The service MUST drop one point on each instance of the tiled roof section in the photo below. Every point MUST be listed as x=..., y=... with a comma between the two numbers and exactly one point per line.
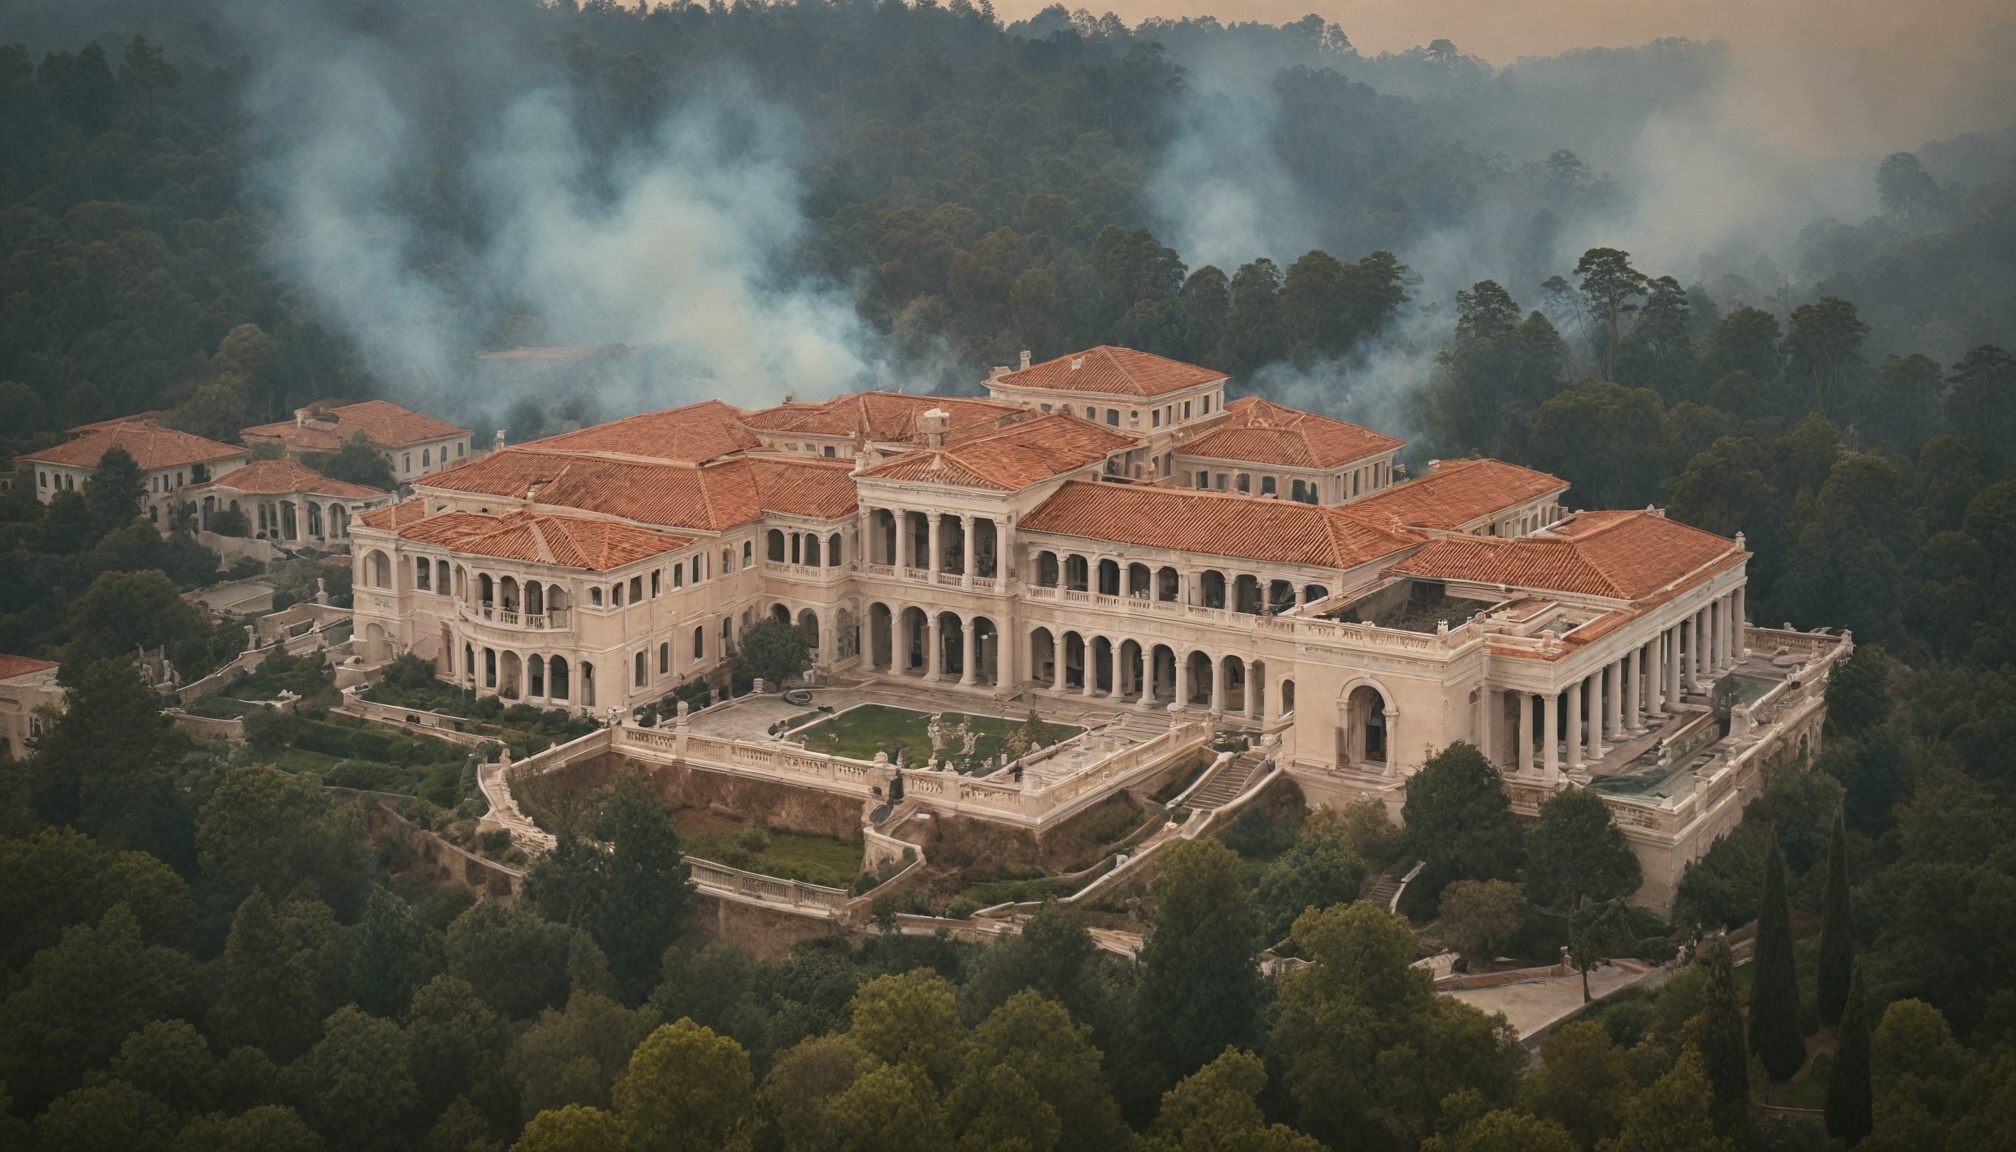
x=283, y=477
x=150, y=445
x=397, y=516
x=695, y=433
x=1457, y=493
x=885, y=417
x=1217, y=524
x=12, y=666
x=1008, y=459
x=670, y=493
x=1111, y=371
x=1266, y=433
x=152, y=417
x=569, y=541
x=386, y=424
x=1621, y=555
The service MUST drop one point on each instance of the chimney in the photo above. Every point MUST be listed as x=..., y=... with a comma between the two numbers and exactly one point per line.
x=497, y=444
x=1076, y=361
x=1025, y=359
x=996, y=372
x=300, y=417
x=932, y=427
x=790, y=399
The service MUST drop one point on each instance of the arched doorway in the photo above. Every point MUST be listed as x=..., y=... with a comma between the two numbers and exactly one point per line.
x=1200, y=679
x=1365, y=730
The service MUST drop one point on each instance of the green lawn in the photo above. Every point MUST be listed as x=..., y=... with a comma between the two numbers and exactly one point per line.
x=302, y=760
x=824, y=860
x=859, y=733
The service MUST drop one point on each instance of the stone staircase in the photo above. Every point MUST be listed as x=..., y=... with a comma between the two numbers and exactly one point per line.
x=1226, y=786
x=1380, y=889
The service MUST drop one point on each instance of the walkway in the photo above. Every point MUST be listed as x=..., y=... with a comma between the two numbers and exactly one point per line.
x=1535, y=1007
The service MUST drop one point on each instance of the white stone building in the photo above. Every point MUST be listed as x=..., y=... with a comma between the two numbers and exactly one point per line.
x=1055, y=540
x=413, y=443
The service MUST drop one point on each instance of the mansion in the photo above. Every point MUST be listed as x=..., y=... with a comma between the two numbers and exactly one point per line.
x=1109, y=526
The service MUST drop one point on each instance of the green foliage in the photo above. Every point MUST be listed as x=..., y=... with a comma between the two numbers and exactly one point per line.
x=1199, y=987
x=268, y=1000
x=58, y=877
x=1459, y=822
x=687, y=1090
x=1583, y=1083
x=1367, y=1052
x=1575, y=853
x=1217, y=1107
x=1672, y=1115
x=357, y=1080
x=384, y=948
x=646, y=897
x=1775, y=1036
x=573, y=1128
x=115, y=490
x=514, y=960
x=1717, y=1033
x=1850, y=1109
x=1479, y=917
x=1316, y=873
x=1504, y=1131
x=1837, y=929
x=773, y=652
x=124, y=611
x=575, y=1056
x=262, y=826
x=106, y=765
x=359, y=461
x=910, y=1019
x=106, y=1117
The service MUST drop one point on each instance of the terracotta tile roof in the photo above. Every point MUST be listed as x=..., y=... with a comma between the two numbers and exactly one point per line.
x=1457, y=493
x=569, y=541
x=150, y=445
x=885, y=417
x=12, y=666
x=282, y=477
x=1111, y=371
x=396, y=516
x=1621, y=555
x=1008, y=459
x=695, y=433
x=384, y=423
x=152, y=417
x=1266, y=433
x=1220, y=524
x=665, y=492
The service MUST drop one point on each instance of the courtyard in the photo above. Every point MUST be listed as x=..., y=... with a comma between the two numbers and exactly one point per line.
x=967, y=742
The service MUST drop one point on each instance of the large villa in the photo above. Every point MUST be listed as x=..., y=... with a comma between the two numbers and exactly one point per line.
x=1108, y=531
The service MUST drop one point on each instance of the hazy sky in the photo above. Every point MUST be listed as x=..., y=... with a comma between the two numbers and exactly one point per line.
x=1834, y=76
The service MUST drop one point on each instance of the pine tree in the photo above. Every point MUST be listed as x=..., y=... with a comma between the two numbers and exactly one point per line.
x=1849, y=1098
x=1837, y=943
x=269, y=988
x=1774, y=997
x=1718, y=1033
x=382, y=950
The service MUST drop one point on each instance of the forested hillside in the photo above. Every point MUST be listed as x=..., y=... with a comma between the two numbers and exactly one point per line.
x=220, y=211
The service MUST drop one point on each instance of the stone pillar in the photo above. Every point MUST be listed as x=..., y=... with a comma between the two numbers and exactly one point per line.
x=1597, y=746
x=1392, y=740
x=1253, y=689
x=1578, y=694
x=1031, y=647
x=1091, y=678
x=1182, y=681
x=1057, y=662
x=1739, y=598
x=937, y=543
x=969, y=667
x=1634, y=689
x=1672, y=674
x=1522, y=729
x=1700, y=652
x=1218, y=686
x=966, y=569
x=1550, y=736
x=934, y=648
x=1731, y=632
x=1613, y=700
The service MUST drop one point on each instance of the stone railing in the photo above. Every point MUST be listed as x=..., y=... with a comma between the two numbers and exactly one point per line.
x=795, y=896
x=1285, y=625
x=512, y=618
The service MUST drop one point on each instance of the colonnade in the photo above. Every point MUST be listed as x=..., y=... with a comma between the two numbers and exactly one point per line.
x=1249, y=592
x=911, y=640
x=933, y=545
x=1150, y=675
x=1616, y=702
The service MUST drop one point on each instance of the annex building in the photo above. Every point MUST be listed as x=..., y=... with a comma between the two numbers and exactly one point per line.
x=1109, y=526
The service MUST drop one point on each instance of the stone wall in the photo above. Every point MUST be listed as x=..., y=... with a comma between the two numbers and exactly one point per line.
x=765, y=933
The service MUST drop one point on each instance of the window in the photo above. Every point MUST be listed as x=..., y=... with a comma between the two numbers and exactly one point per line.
x=1134, y=418
x=1218, y=482
x=1267, y=486
x=1245, y=482
x=426, y=457
x=1113, y=417
x=1204, y=480
x=699, y=642
x=595, y=596
x=406, y=462
x=679, y=574
x=636, y=589
x=1155, y=418
x=664, y=659
x=639, y=669
x=1207, y=405
x=616, y=595
x=459, y=447
x=178, y=479
x=657, y=580
x=423, y=574
x=1046, y=408
x=828, y=451
x=1186, y=409
x=44, y=477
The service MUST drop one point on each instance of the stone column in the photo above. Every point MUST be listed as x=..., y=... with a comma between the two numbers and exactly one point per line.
x=1392, y=740
x=1522, y=727
x=1596, y=743
x=1613, y=700
x=1578, y=695
x=937, y=543
x=969, y=667
x=1217, y=686
x=1091, y=678
x=1730, y=631
x=1182, y=680
x=1550, y=736
x=1739, y=598
x=1701, y=648
x=966, y=569
x=1030, y=645
x=1672, y=673
x=1253, y=689
x=1057, y=662
x=934, y=648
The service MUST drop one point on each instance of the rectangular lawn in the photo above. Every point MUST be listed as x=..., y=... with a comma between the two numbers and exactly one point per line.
x=859, y=733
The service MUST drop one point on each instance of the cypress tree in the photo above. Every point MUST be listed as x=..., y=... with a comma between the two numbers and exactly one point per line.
x=1718, y=1033
x=1774, y=996
x=269, y=988
x=1849, y=1104
x=1837, y=944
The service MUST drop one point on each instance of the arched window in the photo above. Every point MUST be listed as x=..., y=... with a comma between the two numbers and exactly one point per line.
x=833, y=550
x=588, y=684
x=556, y=671
x=776, y=546
x=381, y=570
x=595, y=596
x=639, y=670
x=664, y=659
x=535, y=676
x=423, y=574
x=699, y=642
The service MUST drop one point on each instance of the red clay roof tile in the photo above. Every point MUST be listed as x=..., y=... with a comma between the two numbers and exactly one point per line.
x=1457, y=493
x=282, y=477
x=1220, y=524
x=1111, y=371
x=1008, y=459
x=382, y=422
x=1620, y=555
x=1265, y=433
x=150, y=445
x=569, y=541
